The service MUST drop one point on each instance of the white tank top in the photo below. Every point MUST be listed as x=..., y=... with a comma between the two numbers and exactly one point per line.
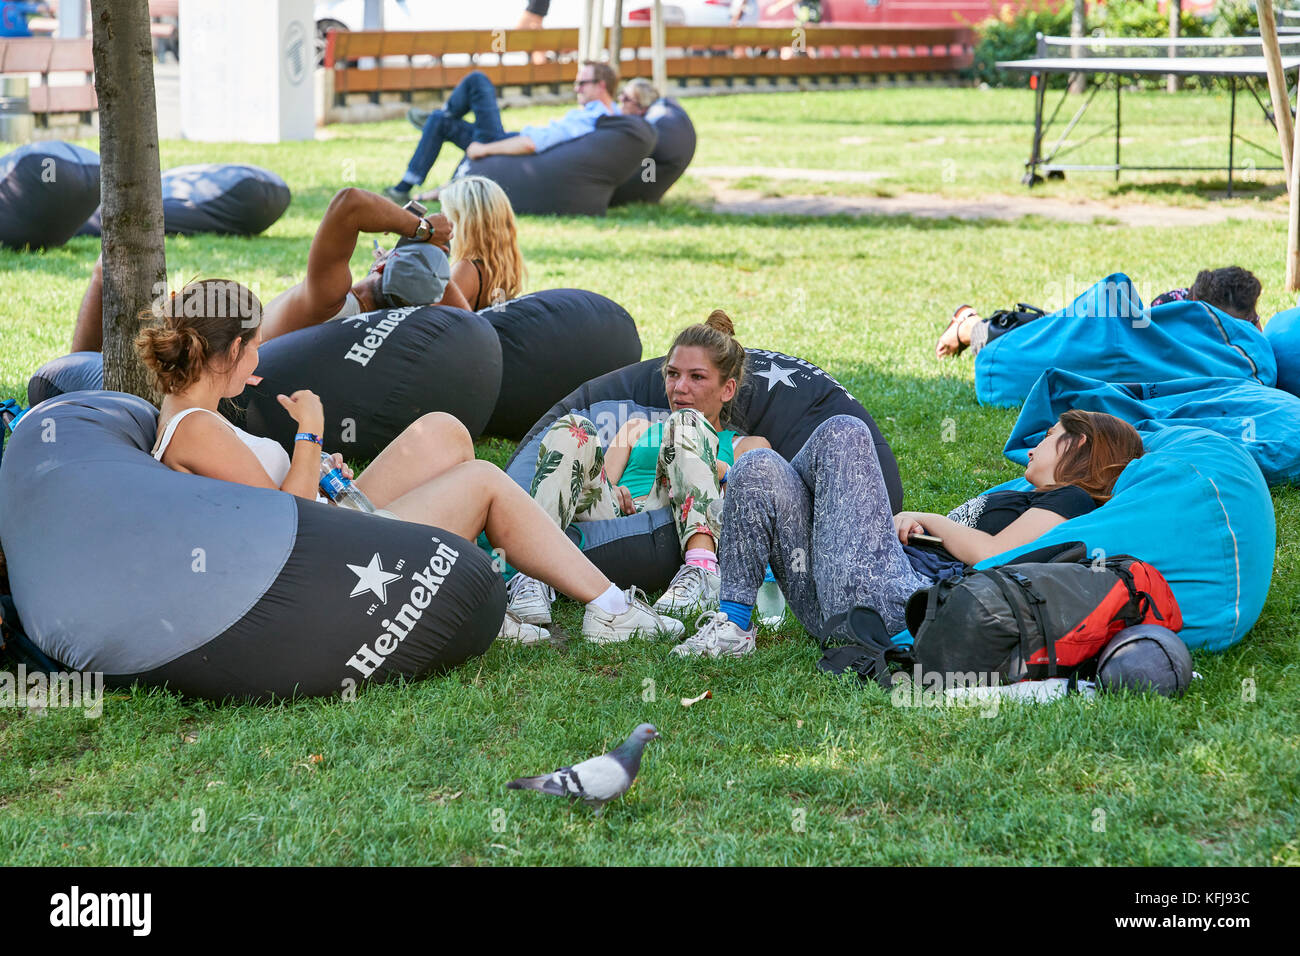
x=272, y=457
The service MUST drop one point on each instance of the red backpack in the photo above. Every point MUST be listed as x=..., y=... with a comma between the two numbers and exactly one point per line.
x=1029, y=621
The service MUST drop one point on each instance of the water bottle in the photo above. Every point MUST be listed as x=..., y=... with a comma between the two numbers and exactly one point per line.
x=339, y=488
x=769, y=606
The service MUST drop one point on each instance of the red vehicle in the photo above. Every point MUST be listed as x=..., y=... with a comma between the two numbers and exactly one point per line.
x=877, y=12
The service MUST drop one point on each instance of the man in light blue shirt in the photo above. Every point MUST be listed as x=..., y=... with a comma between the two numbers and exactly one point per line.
x=485, y=136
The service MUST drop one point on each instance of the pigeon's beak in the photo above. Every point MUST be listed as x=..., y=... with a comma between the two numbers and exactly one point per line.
x=654, y=734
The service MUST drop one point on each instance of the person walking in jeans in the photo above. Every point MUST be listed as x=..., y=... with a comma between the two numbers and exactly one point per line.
x=485, y=136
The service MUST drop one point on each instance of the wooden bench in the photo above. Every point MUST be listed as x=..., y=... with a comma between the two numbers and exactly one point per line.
x=45, y=55
x=736, y=53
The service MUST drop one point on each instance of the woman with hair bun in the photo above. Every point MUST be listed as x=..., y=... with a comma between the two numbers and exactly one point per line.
x=204, y=348
x=680, y=463
x=486, y=264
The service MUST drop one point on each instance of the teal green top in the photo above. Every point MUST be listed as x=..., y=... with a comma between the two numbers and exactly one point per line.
x=642, y=464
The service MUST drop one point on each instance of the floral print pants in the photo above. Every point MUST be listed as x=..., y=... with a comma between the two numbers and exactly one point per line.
x=570, y=482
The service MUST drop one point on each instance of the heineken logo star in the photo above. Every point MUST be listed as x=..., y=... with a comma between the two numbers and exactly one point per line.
x=373, y=578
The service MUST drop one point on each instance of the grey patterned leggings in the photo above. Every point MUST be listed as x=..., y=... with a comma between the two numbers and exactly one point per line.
x=822, y=521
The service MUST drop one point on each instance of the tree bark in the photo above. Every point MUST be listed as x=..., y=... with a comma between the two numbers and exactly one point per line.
x=1277, y=88
x=135, y=265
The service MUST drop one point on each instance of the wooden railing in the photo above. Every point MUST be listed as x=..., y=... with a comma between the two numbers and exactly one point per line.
x=45, y=55
x=711, y=53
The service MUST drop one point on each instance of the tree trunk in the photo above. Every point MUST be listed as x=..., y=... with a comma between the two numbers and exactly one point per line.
x=1078, y=27
x=135, y=265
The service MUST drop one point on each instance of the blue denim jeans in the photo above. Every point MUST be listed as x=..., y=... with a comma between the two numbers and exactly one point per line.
x=475, y=94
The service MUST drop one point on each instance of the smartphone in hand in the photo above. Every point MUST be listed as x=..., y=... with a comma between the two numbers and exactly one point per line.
x=924, y=539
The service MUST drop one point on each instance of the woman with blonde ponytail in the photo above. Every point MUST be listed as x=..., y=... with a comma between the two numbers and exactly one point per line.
x=486, y=264
x=203, y=348
x=680, y=463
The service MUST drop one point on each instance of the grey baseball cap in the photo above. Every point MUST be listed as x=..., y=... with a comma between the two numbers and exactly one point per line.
x=415, y=273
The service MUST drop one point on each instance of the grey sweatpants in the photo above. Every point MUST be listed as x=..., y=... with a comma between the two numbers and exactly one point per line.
x=823, y=523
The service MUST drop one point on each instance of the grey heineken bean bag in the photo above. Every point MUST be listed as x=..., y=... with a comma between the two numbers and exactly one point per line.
x=673, y=152
x=227, y=198
x=551, y=342
x=783, y=399
x=375, y=373
x=576, y=178
x=46, y=192
x=218, y=590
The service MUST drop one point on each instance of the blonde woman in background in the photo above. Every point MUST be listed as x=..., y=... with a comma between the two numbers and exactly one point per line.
x=486, y=264
x=636, y=97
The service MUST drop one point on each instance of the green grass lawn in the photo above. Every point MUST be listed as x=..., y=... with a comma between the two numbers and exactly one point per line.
x=782, y=765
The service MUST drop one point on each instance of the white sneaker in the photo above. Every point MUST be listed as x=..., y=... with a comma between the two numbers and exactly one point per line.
x=639, y=620
x=515, y=631
x=529, y=599
x=692, y=589
x=718, y=637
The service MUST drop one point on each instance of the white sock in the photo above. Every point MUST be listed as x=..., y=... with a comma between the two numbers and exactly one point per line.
x=613, y=601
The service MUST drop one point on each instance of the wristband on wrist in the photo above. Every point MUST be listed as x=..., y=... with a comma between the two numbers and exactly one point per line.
x=308, y=436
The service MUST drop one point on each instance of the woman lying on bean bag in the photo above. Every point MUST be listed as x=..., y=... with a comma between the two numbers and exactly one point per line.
x=1233, y=290
x=427, y=474
x=680, y=463
x=486, y=264
x=823, y=523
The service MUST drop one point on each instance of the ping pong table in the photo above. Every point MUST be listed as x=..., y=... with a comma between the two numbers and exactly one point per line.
x=1239, y=70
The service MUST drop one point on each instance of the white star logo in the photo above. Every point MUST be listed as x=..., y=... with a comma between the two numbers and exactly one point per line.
x=776, y=375
x=361, y=319
x=373, y=578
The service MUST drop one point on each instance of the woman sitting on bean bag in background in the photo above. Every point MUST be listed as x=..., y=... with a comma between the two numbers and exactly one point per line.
x=680, y=463
x=205, y=348
x=823, y=523
x=486, y=263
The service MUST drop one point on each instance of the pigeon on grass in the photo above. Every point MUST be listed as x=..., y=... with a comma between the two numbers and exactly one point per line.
x=598, y=780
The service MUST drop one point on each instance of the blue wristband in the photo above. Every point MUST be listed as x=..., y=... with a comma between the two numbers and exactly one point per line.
x=308, y=436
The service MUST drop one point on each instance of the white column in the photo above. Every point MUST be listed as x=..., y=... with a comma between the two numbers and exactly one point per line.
x=659, y=74
x=247, y=70
x=72, y=18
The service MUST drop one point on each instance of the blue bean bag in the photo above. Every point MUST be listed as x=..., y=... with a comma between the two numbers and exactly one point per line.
x=46, y=192
x=1195, y=506
x=783, y=398
x=575, y=178
x=1283, y=333
x=219, y=590
x=1264, y=421
x=1108, y=334
x=673, y=152
x=231, y=199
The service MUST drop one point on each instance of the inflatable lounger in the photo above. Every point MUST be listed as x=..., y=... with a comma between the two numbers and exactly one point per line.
x=673, y=152
x=1263, y=421
x=575, y=178
x=225, y=198
x=1108, y=334
x=375, y=373
x=551, y=342
x=218, y=590
x=46, y=192
x=1283, y=334
x=783, y=398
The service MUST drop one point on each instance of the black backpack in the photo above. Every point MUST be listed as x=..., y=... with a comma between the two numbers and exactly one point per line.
x=1004, y=320
x=857, y=642
x=1034, y=620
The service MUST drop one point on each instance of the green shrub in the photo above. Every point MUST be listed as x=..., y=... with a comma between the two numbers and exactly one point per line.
x=1015, y=37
